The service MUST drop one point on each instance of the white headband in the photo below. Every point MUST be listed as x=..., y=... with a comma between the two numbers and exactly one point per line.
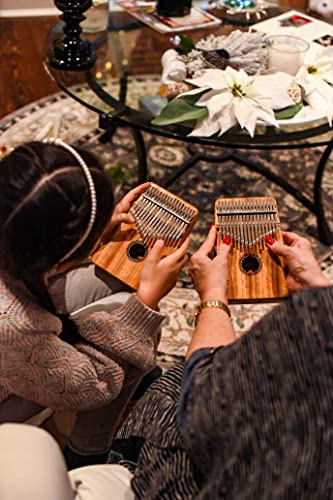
x=92, y=192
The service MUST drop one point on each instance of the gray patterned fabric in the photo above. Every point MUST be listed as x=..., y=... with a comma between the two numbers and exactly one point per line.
x=257, y=417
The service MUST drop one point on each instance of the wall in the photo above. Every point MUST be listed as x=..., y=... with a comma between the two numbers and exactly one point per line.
x=26, y=7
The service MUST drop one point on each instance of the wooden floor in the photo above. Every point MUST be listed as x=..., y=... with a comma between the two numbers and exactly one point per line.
x=23, y=78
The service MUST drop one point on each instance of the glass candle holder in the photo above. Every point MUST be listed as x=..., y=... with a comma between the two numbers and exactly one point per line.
x=286, y=53
x=97, y=17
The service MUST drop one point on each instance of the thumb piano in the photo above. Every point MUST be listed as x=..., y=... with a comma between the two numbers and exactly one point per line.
x=255, y=274
x=158, y=214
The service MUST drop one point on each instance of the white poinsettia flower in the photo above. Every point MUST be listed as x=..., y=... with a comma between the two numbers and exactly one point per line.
x=231, y=97
x=316, y=77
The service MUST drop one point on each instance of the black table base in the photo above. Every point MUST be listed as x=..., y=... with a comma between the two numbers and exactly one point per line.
x=315, y=205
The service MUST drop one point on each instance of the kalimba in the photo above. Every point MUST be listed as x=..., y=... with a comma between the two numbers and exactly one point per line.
x=158, y=214
x=255, y=274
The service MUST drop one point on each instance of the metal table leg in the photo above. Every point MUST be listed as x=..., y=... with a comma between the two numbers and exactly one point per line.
x=142, y=155
x=324, y=232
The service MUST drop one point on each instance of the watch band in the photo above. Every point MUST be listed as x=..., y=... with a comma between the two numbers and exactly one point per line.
x=211, y=303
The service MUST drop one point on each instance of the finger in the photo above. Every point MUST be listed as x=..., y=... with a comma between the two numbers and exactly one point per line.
x=154, y=254
x=289, y=237
x=223, y=249
x=126, y=218
x=277, y=247
x=224, y=246
x=182, y=262
x=209, y=242
x=180, y=252
x=134, y=193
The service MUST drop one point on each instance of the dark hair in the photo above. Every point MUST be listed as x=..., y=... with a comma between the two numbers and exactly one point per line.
x=44, y=210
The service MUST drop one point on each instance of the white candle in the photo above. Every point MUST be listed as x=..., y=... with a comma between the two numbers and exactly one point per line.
x=286, y=53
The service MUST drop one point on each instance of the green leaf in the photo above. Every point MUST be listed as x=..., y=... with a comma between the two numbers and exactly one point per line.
x=181, y=110
x=186, y=44
x=119, y=173
x=286, y=113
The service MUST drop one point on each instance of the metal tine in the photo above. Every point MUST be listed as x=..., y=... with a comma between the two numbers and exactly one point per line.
x=180, y=233
x=172, y=204
x=231, y=221
x=234, y=220
x=140, y=207
x=260, y=221
x=156, y=214
x=140, y=214
x=172, y=230
x=180, y=230
x=250, y=217
x=158, y=224
x=243, y=219
x=148, y=218
x=252, y=225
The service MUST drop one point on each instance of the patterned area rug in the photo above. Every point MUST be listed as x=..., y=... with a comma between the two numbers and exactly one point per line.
x=200, y=186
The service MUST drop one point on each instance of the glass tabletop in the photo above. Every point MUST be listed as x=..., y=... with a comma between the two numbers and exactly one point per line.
x=125, y=83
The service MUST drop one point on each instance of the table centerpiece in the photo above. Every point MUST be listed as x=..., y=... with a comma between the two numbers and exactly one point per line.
x=223, y=81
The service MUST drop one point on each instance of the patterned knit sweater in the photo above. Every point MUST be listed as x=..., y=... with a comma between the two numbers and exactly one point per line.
x=36, y=365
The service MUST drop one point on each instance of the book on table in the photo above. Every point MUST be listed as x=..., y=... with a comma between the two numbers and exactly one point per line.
x=146, y=13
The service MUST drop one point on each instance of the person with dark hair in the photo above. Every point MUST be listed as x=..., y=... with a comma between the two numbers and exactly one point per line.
x=56, y=206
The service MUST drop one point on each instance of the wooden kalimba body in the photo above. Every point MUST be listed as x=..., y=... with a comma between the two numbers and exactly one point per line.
x=158, y=214
x=255, y=274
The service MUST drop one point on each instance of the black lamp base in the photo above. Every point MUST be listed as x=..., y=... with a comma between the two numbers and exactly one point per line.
x=63, y=57
x=71, y=52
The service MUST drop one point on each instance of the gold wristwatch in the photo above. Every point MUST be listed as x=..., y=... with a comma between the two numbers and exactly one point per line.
x=211, y=303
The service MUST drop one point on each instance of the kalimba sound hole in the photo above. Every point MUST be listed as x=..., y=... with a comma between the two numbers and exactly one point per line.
x=250, y=264
x=137, y=251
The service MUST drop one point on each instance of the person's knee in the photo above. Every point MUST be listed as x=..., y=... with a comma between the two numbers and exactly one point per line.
x=31, y=465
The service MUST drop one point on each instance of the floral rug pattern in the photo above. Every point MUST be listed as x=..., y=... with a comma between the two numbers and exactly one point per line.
x=59, y=114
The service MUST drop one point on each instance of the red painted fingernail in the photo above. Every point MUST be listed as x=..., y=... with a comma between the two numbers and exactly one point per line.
x=227, y=239
x=3, y=149
x=269, y=240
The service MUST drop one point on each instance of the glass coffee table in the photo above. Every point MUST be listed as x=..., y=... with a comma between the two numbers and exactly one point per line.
x=123, y=88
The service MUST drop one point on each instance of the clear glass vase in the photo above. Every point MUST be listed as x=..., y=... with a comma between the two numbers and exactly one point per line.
x=97, y=17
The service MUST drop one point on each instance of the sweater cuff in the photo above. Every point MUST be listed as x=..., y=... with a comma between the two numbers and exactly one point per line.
x=134, y=313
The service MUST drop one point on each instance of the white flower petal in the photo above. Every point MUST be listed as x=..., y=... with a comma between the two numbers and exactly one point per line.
x=244, y=111
x=275, y=89
x=212, y=78
x=322, y=102
x=251, y=124
x=205, y=127
x=216, y=103
x=193, y=92
x=267, y=116
x=227, y=119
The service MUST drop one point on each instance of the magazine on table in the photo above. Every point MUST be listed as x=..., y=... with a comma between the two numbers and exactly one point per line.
x=294, y=23
x=146, y=12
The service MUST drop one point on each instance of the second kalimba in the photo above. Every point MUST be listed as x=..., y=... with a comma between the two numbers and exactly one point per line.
x=158, y=214
x=255, y=274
